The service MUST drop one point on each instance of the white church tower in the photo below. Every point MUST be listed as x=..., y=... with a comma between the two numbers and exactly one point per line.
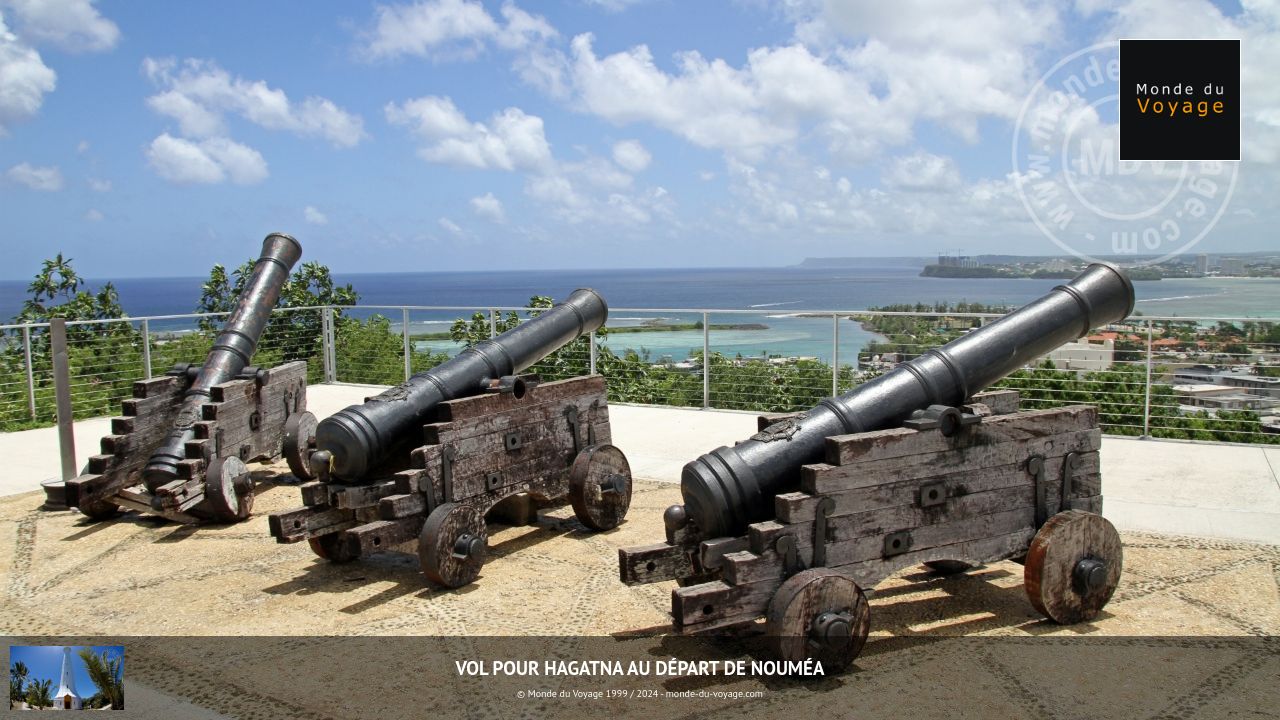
x=67, y=698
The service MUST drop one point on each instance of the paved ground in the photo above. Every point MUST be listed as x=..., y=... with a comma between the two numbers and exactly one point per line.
x=1192, y=625
x=223, y=622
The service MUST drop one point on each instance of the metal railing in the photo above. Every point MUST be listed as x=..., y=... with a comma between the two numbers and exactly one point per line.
x=1212, y=379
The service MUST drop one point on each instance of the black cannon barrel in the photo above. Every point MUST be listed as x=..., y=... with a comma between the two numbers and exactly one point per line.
x=361, y=436
x=730, y=488
x=231, y=351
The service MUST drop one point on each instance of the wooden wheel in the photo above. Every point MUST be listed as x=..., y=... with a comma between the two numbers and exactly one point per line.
x=228, y=489
x=331, y=548
x=299, y=441
x=819, y=614
x=452, y=545
x=600, y=487
x=947, y=567
x=1073, y=566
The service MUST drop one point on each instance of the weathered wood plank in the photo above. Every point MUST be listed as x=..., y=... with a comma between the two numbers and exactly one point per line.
x=381, y=535
x=1087, y=480
x=653, y=563
x=900, y=442
x=393, y=507
x=825, y=479
x=716, y=605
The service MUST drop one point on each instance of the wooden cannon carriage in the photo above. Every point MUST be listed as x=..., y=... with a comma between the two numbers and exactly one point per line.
x=245, y=420
x=951, y=490
x=501, y=454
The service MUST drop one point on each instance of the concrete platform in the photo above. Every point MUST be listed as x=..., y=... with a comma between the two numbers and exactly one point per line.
x=1201, y=489
x=224, y=622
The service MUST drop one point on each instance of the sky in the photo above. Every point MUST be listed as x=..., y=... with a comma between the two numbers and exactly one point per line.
x=44, y=662
x=155, y=139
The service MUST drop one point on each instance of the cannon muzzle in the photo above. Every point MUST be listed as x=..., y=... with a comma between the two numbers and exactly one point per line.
x=732, y=487
x=231, y=351
x=361, y=437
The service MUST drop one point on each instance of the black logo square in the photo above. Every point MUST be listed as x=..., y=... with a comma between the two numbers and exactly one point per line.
x=1179, y=99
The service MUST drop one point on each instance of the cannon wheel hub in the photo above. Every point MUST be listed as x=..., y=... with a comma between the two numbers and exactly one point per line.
x=452, y=545
x=228, y=488
x=819, y=614
x=600, y=487
x=1073, y=566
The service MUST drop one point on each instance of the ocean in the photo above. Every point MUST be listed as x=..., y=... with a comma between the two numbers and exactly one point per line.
x=770, y=295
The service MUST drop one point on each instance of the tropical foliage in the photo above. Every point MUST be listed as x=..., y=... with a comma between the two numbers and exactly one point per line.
x=105, y=363
x=107, y=673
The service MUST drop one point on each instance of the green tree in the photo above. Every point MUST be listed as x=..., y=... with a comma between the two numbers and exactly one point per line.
x=40, y=694
x=96, y=353
x=18, y=673
x=295, y=329
x=107, y=673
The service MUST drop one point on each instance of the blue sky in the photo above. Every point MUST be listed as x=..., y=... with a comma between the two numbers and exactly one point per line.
x=44, y=662
x=154, y=139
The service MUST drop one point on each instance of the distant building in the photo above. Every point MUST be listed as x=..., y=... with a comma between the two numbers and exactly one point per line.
x=1056, y=265
x=1267, y=386
x=1219, y=397
x=1084, y=356
x=1202, y=264
x=1232, y=266
x=963, y=261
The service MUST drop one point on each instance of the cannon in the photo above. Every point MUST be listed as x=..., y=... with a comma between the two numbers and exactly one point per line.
x=180, y=449
x=917, y=466
x=428, y=461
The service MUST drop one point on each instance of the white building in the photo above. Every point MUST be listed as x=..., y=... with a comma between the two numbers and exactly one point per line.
x=1084, y=356
x=67, y=698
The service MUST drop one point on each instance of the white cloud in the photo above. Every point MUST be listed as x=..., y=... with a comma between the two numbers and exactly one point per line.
x=198, y=94
x=488, y=206
x=99, y=185
x=444, y=28
x=614, y=5
x=314, y=216
x=71, y=25
x=47, y=179
x=206, y=162
x=93, y=215
x=24, y=80
x=511, y=140
x=924, y=172
x=452, y=227
x=631, y=155
x=82, y=147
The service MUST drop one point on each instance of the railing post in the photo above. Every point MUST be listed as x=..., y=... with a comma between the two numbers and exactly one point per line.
x=146, y=349
x=62, y=394
x=706, y=361
x=493, y=323
x=405, y=322
x=591, y=338
x=31, y=375
x=835, y=355
x=326, y=339
x=1146, y=401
